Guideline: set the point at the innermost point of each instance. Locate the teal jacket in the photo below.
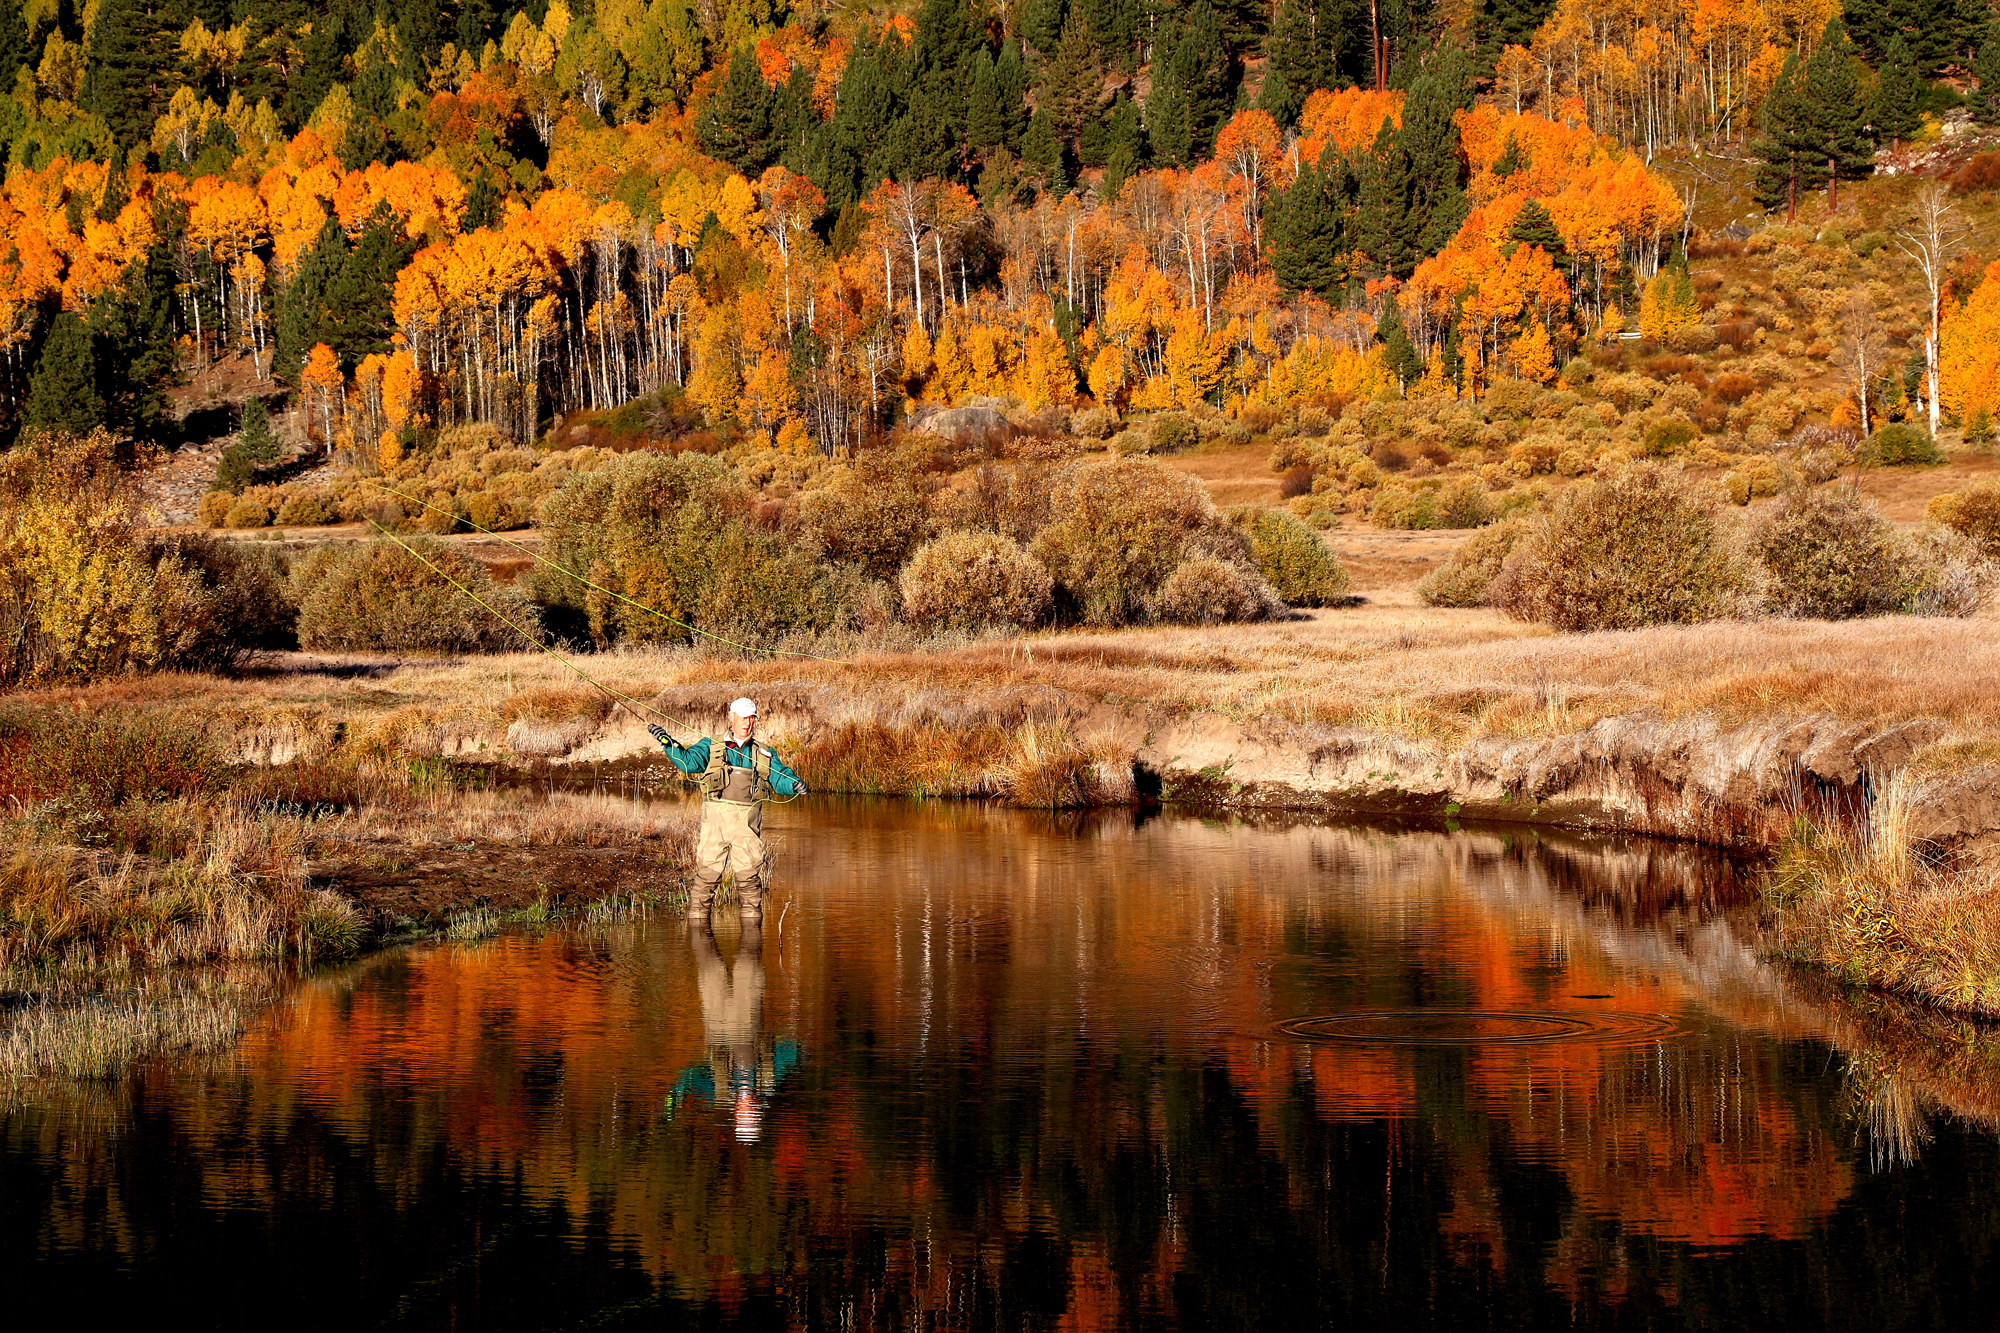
(693, 761)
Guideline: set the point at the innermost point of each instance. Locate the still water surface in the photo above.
(1005, 1070)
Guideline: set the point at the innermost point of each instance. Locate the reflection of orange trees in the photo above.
(1022, 1045)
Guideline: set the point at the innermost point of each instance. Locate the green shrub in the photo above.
(1172, 435)
(1902, 444)
(1973, 512)
(220, 599)
(1670, 436)
(1643, 546)
(1409, 510)
(1829, 555)
(758, 585)
(248, 514)
(1294, 559)
(1203, 590)
(307, 509)
(378, 597)
(972, 580)
(1119, 528)
(1464, 503)
(1465, 578)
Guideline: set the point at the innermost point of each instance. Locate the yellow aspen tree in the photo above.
(716, 386)
(1534, 359)
(917, 360)
(1107, 376)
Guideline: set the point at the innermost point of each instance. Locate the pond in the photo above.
(995, 1069)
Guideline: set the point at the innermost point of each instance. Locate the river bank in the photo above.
(1723, 734)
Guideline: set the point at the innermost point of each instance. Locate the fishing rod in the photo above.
(609, 592)
(539, 646)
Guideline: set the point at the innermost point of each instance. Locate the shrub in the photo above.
(1464, 579)
(1902, 444)
(1093, 423)
(307, 509)
(1203, 590)
(1669, 436)
(248, 514)
(871, 515)
(1830, 556)
(1121, 526)
(1973, 512)
(104, 758)
(1172, 435)
(78, 599)
(214, 509)
(1294, 559)
(1982, 172)
(1639, 547)
(220, 599)
(1945, 575)
(1464, 503)
(971, 580)
(1411, 511)
(1295, 481)
(378, 597)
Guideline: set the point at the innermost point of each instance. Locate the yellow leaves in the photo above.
(1534, 359)
(528, 46)
(1046, 376)
(61, 71)
(768, 395)
(1194, 360)
(184, 125)
(716, 386)
(1969, 350)
(1107, 376)
(917, 362)
(1319, 367)
(1668, 306)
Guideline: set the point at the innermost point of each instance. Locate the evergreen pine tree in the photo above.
(1533, 226)
(1833, 111)
(1383, 217)
(1042, 149)
(360, 302)
(1303, 53)
(1429, 140)
(1785, 143)
(13, 40)
(1306, 226)
(1042, 24)
(234, 471)
(735, 125)
(1510, 159)
(62, 393)
(1125, 147)
(1074, 81)
(1503, 23)
(257, 441)
(1191, 90)
(1116, 23)
(132, 343)
(1397, 349)
(303, 309)
(1986, 69)
(985, 123)
(1897, 90)
(1010, 72)
(123, 63)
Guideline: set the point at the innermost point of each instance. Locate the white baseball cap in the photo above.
(743, 708)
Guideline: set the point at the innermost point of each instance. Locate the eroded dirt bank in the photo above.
(1690, 777)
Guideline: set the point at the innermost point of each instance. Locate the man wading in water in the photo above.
(734, 777)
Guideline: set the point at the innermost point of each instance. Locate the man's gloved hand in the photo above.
(803, 789)
(658, 733)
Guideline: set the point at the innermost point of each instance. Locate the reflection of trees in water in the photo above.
(1006, 1116)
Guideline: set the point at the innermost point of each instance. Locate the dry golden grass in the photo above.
(1861, 903)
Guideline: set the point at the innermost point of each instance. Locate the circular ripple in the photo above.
(1479, 1027)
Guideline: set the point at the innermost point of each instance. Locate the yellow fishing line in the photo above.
(538, 556)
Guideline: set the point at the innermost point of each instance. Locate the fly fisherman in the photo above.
(735, 777)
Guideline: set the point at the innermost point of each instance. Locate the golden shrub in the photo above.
(1203, 590)
(973, 580)
(1973, 512)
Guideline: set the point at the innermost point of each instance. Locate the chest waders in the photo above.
(732, 826)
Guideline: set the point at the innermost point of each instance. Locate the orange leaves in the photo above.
(1346, 121)
(1969, 351)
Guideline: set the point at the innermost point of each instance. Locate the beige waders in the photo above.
(731, 836)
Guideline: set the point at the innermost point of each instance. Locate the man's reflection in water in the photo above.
(742, 1064)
